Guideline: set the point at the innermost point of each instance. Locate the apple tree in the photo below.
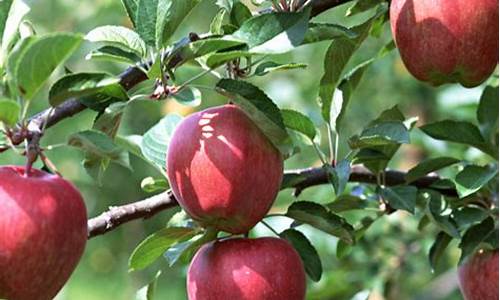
(255, 192)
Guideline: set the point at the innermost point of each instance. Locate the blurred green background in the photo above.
(390, 262)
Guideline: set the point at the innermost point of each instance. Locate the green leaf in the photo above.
(472, 178)
(216, 25)
(12, 14)
(156, 244)
(433, 210)
(96, 143)
(474, 236)
(115, 54)
(152, 185)
(340, 174)
(78, 85)
(336, 58)
(9, 111)
(155, 141)
(170, 14)
(427, 166)
(148, 292)
(259, 108)
(298, 122)
(274, 33)
(317, 216)
(362, 6)
(39, 58)
(437, 249)
(400, 197)
(487, 112)
(383, 133)
(239, 14)
(459, 132)
(185, 251)
(190, 96)
(131, 9)
(218, 59)
(145, 24)
(225, 4)
(307, 252)
(186, 51)
(4, 14)
(318, 32)
(269, 66)
(118, 37)
(468, 216)
(346, 203)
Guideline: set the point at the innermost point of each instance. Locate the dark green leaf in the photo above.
(156, 244)
(307, 252)
(433, 210)
(437, 249)
(362, 6)
(318, 32)
(468, 216)
(487, 112)
(190, 96)
(400, 197)
(459, 132)
(383, 133)
(317, 216)
(118, 37)
(336, 58)
(218, 59)
(474, 236)
(96, 143)
(78, 85)
(260, 108)
(239, 14)
(427, 166)
(186, 250)
(274, 33)
(111, 53)
(269, 66)
(155, 141)
(170, 14)
(39, 58)
(340, 175)
(473, 178)
(9, 111)
(346, 203)
(298, 122)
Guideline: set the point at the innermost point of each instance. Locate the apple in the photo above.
(223, 170)
(447, 41)
(43, 231)
(478, 277)
(247, 269)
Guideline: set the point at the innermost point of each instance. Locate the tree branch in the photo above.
(320, 6)
(302, 179)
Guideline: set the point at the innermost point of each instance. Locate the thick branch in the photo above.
(147, 208)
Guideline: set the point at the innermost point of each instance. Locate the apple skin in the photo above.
(447, 41)
(478, 277)
(223, 170)
(247, 269)
(43, 232)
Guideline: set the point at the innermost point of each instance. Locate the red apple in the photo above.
(43, 231)
(247, 269)
(478, 277)
(223, 170)
(446, 41)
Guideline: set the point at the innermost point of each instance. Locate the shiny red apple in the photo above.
(446, 41)
(478, 277)
(247, 269)
(43, 231)
(223, 170)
